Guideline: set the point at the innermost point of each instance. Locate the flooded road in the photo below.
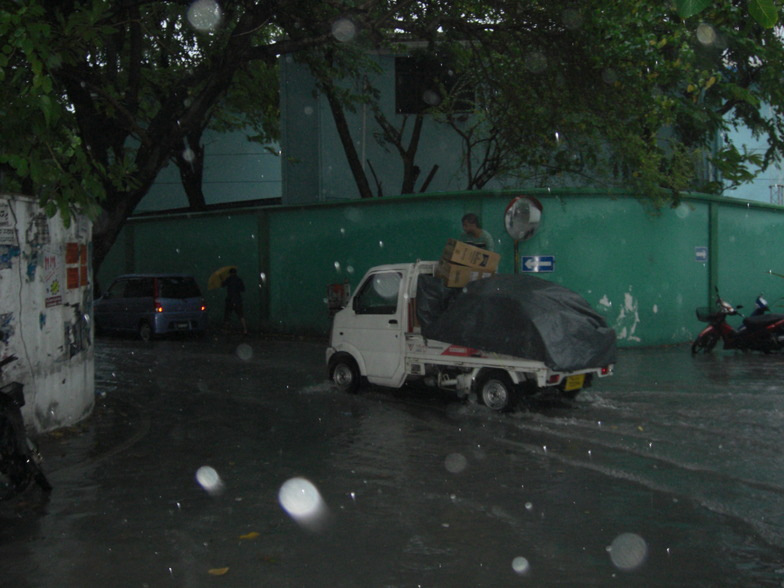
(232, 462)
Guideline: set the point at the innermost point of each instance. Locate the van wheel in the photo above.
(344, 373)
(145, 331)
(495, 390)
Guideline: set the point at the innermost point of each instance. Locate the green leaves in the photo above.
(689, 8)
(763, 11)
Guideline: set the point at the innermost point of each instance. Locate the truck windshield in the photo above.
(378, 295)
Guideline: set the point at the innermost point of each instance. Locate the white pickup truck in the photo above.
(378, 337)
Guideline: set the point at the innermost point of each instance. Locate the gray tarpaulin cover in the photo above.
(519, 315)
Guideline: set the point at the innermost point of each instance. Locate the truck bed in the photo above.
(421, 351)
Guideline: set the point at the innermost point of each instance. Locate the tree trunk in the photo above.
(360, 177)
(110, 222)
(411, 171)
(190, 162)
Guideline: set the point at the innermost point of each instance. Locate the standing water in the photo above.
(235, 462)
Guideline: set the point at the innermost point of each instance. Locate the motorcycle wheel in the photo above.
(34, 466)
(705, 343)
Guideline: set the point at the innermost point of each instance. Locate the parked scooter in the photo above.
(19, 458)
(759, 332)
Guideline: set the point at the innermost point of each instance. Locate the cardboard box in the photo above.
(457, 276)
(475, 257)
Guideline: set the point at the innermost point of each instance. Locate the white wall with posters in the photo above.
(46, 299)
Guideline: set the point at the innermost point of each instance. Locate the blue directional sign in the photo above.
(701, 254)
(538, 263)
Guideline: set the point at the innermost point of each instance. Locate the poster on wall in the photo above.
(76, 265)
(9, 245)
(53, 278)
(7, 230)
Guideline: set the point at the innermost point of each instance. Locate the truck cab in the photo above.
(371, 329)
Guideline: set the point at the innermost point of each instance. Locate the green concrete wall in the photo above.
(638, 267)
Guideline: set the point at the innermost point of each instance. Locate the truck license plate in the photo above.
(574, 382)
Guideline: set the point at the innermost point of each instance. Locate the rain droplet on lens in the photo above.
(521, 565)
(209, 479)
(628, 551)
(344, 30)
(536, 62)
(706, 34)
(431, 98)
(244, 351)
(609, 76)
(455, 463)
(204, 15)
(303, 502)
(572, 18)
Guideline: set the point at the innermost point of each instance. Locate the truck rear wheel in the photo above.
(344, 373)
(495, 390)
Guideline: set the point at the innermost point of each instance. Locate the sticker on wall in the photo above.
(701, 254)
(38, 231)
(7, 254)
(53, 276)
(7, 229)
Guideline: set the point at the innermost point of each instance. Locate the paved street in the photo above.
(230, 461)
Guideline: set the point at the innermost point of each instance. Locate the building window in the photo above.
(421, 82)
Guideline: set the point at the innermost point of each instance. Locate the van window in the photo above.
(139, 288)
(117, 289)
(378, 295)
(177, 287)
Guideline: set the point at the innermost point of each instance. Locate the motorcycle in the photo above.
(20, 462)
(759, 332)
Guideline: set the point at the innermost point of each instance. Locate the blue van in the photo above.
(151, 304)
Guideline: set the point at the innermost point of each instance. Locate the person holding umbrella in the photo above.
(234, 289)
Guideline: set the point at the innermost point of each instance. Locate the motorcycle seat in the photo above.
(761, 321)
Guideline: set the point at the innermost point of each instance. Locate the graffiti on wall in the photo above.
(7, 254)
(9, 244)
(38, 238)
(77, 332)
(6, 326)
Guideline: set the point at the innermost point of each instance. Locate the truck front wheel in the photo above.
(344, 373)
(495, 390)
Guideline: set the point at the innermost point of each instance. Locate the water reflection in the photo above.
(667, 474)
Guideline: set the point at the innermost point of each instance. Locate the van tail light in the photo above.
(554, 379)
(203, 306)
(605, 370)
(158, 306)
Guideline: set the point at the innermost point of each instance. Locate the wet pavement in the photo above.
(230, 461)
